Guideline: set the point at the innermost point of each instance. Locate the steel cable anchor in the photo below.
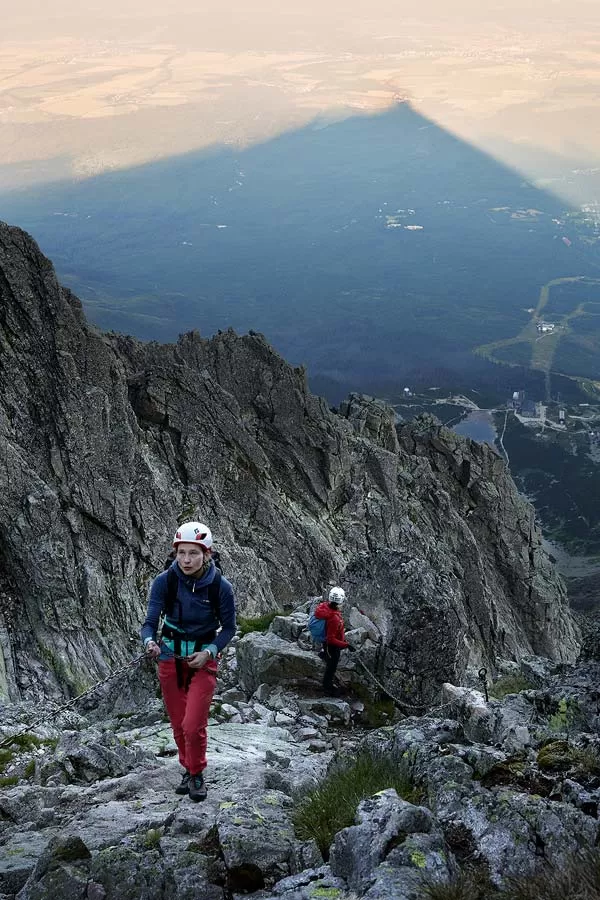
(483, 679)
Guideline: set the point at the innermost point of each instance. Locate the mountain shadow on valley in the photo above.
(375, 250)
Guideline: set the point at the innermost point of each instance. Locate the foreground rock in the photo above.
(488, 803)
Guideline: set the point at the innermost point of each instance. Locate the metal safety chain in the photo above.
(47, 718)
(401, 703)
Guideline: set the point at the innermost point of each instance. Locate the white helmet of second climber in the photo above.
(193, 533)
(337, 595)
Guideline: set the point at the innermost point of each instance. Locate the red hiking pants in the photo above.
(188, 710)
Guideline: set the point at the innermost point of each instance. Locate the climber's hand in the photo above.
(198, 660)
(152, 650)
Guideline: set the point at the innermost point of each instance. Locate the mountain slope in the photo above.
(108, 442)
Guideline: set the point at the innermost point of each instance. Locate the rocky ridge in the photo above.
(507, 788)
(107, 442)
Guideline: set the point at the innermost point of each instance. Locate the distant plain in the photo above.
(82, 92)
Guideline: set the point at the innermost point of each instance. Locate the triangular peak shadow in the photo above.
(370, 248)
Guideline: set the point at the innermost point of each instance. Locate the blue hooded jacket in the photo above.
(196, 614)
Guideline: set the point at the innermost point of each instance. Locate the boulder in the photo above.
(420, 860)
(513, 831)
(360, 623)
(18, 858)
(311, 884)
(289, 628)
(62, 870)
(384, 822)
(489, 721)
(257, 841)
(268, 659)
(84, 757)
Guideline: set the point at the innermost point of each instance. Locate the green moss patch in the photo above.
(563, 756)
(510, 684)
(518, 773)
(260, 623)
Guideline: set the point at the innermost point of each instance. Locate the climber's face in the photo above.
(191, 557)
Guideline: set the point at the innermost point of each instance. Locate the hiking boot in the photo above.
(197, 788)
(184, 787)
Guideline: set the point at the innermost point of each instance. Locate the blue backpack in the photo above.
(317, 627)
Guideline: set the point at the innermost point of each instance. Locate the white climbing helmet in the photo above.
(337, 595)
(193, 533)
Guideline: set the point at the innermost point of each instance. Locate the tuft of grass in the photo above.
(588, 759)
(9, 780)
(22, 742)
(6, 757)
(29, 769)
(562, 756)
(260, 623)
(152, 838)
(510, 684)
(556, 756)
(582, 763)
(332, 805)
(579, 879)
(468, 886)
(27, 741)
(565, 717)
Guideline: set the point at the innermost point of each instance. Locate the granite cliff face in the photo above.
(107, 442)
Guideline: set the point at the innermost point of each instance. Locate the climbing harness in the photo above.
(174, 633)
(47, 718)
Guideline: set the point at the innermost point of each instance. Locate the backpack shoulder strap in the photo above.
(214, 590)
(172, 586)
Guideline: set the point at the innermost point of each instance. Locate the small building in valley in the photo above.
(529, 409)
(545, 327)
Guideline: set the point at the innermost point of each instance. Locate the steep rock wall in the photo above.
(107, 442)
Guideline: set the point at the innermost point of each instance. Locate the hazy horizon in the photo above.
(119, 84)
